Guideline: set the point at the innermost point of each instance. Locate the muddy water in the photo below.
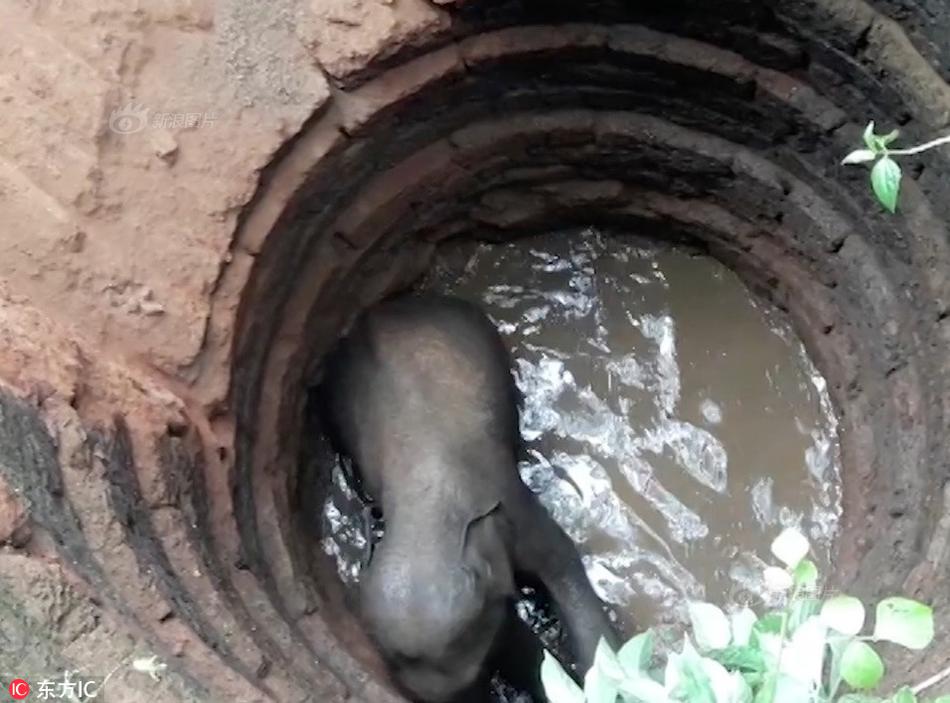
(673, 421)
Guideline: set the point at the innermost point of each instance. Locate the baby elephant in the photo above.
(421, 398)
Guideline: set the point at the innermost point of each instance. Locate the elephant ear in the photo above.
(485, 552)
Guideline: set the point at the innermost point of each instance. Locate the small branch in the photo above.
(114, 669)
(939, 141)
(786, 616)
(932, 681)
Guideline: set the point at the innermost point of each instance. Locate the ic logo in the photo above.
(19, 689)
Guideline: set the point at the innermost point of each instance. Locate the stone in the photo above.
(347, 36)
(14, 523)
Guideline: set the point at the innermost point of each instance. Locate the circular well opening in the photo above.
(672, 424)
(519, 126)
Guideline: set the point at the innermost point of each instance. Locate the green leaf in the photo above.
(685, 678)
(861, 666)
(844, 614)
(806, 575)
(804, 654)
(800, 610)
(710, 626)
(745, 659)
(792, 690)
(642, 689)
(859, 156)
(771, 622)
(886, 182)
(878, 143)
(636, 654)
(905, 622)
(869, 139)
(790, 547)
(766, 694)
(777, 579)
(784, 689)
(836, 645)
(859, 698)
(886, 139)
(940, 699)
(559, 687)
(727, 687)
(754, 679)
(606, 660)
(770, 646)
(599, 687)
(904, 695)
(741, 623)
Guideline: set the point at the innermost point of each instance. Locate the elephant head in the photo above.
(436, 606)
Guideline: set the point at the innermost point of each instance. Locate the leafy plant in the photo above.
(886, 173)
(806, 652)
